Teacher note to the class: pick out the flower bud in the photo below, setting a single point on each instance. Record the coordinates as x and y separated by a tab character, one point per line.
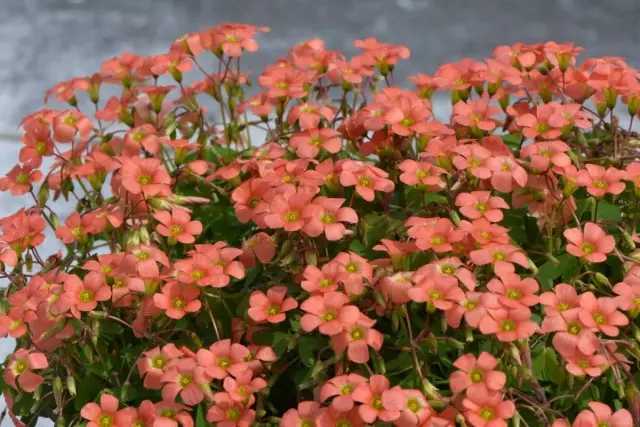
71	385
601	279
430	390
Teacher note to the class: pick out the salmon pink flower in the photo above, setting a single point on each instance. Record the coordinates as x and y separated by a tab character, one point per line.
514	292
234	39
304	415
75	227
309	114
105	414
177	225
415	173
477	374
284	83
69	123
342	387
272	306
353	271
572	336
187	379
501	256
476	114
438	235
629	293
242	388
226	412
145	176
581	364
155	362
326	215
600	181
309	142
416	411
84	295
259	246
506	173
562	298
329	312
446	267
546	154
20	179
378	400
478	204
356	339
602	415
508	324
601	314
319	281
367	179
593	244
172	414
178	299
286	209
485	232
407	117
330	417
222	263
545	122
442	293
21	367
487	409
223	359
473	158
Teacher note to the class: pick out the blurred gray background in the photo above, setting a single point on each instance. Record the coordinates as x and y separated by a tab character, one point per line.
45	41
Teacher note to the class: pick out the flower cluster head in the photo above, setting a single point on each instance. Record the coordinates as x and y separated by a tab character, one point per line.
310	246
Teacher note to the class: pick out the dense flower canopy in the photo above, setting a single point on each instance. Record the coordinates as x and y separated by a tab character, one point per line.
322	251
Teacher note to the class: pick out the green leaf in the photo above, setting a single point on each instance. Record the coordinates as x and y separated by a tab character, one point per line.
608	211
88	391
550	271
200	418
308	346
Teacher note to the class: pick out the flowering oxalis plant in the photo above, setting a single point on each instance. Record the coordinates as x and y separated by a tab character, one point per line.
361	264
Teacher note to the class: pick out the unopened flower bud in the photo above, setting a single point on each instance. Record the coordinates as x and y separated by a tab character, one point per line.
71	385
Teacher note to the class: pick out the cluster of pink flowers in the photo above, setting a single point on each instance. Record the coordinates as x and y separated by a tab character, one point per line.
365	263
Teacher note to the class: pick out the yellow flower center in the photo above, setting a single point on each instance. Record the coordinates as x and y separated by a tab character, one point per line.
325	283
543	127
41	147
185	380
481	207
546	152
363	181
292	216
306	423
168	413
636	301
357	333
507	326
143	255
22	178
328	219
588	248
421	174
197	274
407	122
347	389
20	367
449	270
107	269
158	361
563	306
499	256
233	414
487	414
506	167
413	405
476	376
470	305
224	363
474	163
435	295
272	310
438	240
178	303
574	328
344	423
105	420
352	267
582	364
513	294
329	316
599	318
85	295
485	235
282	85
600	184
144	179
175	229
76	231
377	403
